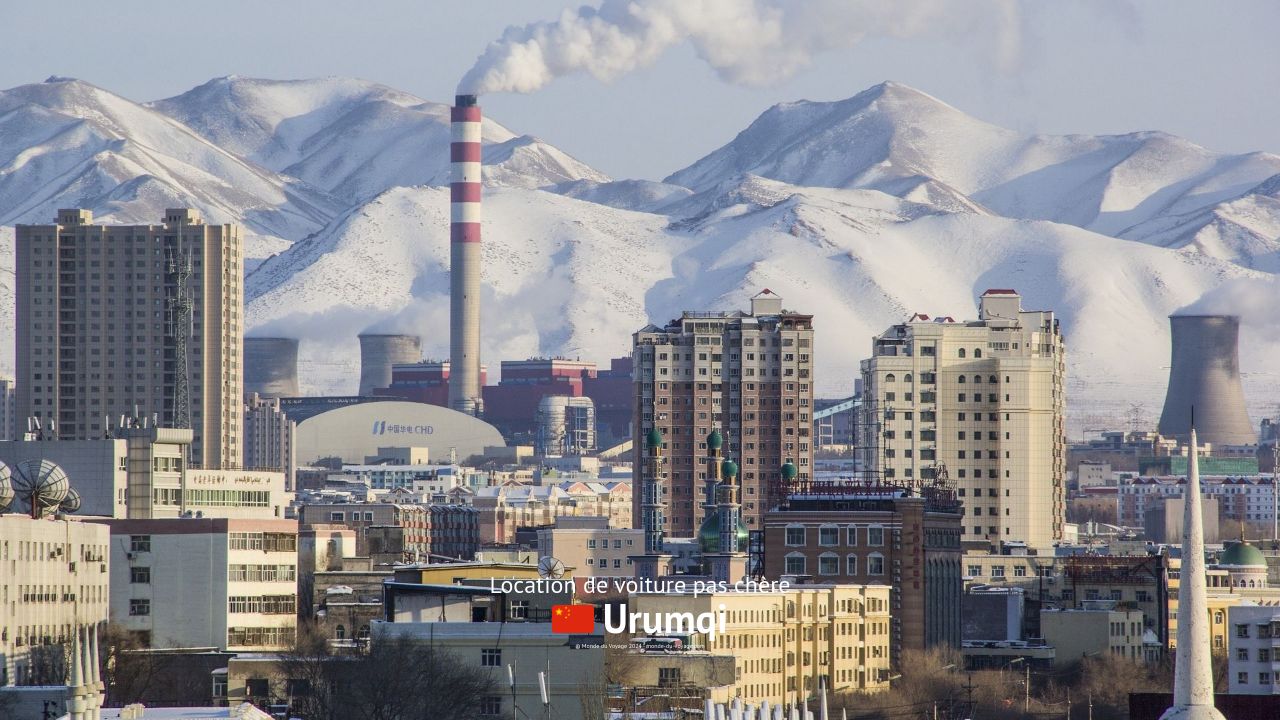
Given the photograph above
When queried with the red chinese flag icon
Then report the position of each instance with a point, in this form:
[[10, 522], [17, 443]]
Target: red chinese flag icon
[[573, 619]]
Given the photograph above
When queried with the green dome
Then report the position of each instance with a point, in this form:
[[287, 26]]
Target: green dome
[[1242, 554], [709, 535], [655, 438], [789, 470], [728, 469], [715, 440]]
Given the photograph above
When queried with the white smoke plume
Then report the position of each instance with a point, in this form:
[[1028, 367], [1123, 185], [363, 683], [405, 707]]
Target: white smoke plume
[[749, 42], [1255, 300]]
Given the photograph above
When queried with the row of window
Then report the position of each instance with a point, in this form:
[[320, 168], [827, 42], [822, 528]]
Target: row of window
[[829, 536], [829, 564]]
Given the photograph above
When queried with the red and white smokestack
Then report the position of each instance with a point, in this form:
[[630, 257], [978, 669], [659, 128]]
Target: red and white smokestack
[[464, 258]]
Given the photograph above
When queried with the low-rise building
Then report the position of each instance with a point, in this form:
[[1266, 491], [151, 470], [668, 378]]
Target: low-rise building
[[595, 552], [877, 536], [229, 584], [54, 581], [1253, 660], [1102, 629]]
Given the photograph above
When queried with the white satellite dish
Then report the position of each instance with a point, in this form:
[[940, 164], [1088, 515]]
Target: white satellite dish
[[549, 567]]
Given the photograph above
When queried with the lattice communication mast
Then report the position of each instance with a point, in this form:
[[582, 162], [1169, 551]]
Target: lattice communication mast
[[180, 323]]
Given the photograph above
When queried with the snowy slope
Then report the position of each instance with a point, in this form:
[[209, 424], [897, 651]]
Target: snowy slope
[[356, 138], [574, 277], [894, 138], [66, 143]]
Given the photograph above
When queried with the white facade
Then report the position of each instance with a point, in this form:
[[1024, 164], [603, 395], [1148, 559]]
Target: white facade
[[354, 432], [268, 437], [53, 580], [985, 399], [1253, 659], [227, 584]]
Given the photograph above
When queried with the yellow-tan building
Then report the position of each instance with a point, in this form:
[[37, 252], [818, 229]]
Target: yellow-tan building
[[784, 641]]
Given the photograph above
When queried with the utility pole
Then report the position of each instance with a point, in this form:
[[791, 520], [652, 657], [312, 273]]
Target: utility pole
[[1026, 702], [1091, 706], [968, 688], [1068, 703]]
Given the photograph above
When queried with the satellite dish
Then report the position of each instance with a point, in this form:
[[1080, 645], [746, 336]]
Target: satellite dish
[[6, 488], [549, 567], [70, 503], [40, 486]]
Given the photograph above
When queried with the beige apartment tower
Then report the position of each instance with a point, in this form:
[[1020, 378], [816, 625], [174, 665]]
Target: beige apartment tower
[[982, 400], [748, 375], [98, 318]]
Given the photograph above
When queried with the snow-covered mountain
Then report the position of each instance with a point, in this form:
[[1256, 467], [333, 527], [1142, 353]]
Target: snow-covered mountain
[[861, 212], [66, 143], [356, 138]]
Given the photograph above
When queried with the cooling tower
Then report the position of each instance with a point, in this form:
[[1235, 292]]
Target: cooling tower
[[464, 257], [271, 366], [1205, 374], [379, 352]]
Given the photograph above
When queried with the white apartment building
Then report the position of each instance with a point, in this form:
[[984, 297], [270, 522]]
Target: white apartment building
[[189, 582], [268, 437], [95, 323], [53, 580], [1250, 498], [984, 399], [1253, 657], [142, 473]]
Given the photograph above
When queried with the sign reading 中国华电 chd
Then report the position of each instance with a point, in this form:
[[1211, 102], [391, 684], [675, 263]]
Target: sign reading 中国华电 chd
[[382, 427]]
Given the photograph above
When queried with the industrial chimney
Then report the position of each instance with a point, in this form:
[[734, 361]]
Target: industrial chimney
[[379, 352], [464, 258], [271, 366], [1205, 375]]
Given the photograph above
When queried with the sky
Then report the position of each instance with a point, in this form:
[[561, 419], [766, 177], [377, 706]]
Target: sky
[[1202, 70]]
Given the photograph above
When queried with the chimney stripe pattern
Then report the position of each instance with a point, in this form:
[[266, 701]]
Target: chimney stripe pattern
[[464, 255]]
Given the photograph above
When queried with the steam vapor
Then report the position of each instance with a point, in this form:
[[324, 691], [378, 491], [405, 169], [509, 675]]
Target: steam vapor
[[1254, 299], [749, 42]]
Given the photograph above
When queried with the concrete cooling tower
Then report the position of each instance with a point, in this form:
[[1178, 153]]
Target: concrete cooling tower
[[379, 352], [271, 366], [1205, 375]]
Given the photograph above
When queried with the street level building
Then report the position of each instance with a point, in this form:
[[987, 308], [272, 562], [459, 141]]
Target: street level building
[[53, 583], [97, 328], [984, 399]]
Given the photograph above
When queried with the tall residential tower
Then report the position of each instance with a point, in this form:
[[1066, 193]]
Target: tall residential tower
[[98, 328], [983, 399], [748, 375]]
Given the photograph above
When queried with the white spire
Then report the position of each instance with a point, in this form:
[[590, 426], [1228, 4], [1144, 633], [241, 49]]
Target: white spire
[[1193, 669]]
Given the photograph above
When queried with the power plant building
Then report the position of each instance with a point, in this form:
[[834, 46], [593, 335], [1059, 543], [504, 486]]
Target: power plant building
[[97, 328], [983, 400], [379, 353], [271, 366], [354, 432], [748, 375], [1204, 381]]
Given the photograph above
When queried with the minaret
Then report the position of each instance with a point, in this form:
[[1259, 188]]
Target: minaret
[[715, 442], [655, 562], [1193, 670]]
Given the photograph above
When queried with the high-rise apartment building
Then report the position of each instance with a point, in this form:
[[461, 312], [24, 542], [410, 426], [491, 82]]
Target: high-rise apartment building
[[268, 437], [8, 409], [983, 400], [748, 375], [98, 316]]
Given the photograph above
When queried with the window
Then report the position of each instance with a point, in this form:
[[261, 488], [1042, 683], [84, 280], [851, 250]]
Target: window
[[591, 543], [491, 706], [1242, 631], [519, 609], [1242, 677], [829, 564], [140, 606], [851, 565], [1264, 655], [875, 536], [975, 571], [139, 543], [1242, 654], [795, 536], [828, 535], [139, 574], [997, 571], [1019, 571], [875, 564], [668, 677], [793, 564], [1264, 678], [491, 657]]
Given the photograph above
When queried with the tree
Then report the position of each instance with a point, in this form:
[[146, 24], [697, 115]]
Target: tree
[[395, 679]]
